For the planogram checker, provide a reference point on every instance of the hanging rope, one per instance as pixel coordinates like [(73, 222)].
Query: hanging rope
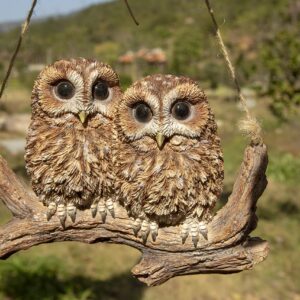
[(24, 29), (250, 125), (131, 13)]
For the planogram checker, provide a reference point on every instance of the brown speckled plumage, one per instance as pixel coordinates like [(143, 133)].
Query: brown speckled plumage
[(68, 160), (183, 179)]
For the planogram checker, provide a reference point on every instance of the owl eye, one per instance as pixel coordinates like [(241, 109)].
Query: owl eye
[(100, 90), (64, 90), (142, 112), (181, 110)]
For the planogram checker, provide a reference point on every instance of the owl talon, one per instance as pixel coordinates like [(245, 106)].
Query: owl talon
[(94, 209), (102, 211), (110, 207), (203, 230), (195, 233), (137, 226), (145, 229), (62, 215), (154, 230), (195, 240), (195, 229), (184, 232), (51, 210), (71, 210)]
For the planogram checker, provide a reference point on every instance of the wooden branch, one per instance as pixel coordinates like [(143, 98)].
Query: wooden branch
[(228, 248)]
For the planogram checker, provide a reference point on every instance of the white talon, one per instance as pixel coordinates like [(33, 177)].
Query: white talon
[(94, 209), (61, 213), (184, 232), (51, 210), (102, 211), (137, 226), (154, 230), (110, 207), (194, 228), (145, 231), (203, 229), (71, 209), (195, 234)]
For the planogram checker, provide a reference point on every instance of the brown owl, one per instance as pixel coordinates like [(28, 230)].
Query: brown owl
[(167, 156), (68, 151)]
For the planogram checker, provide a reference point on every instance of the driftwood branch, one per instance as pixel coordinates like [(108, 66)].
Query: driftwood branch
[(228, 248)]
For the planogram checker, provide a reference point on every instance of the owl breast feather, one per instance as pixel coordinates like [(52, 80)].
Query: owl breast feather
[(68, 163), (168, 186)]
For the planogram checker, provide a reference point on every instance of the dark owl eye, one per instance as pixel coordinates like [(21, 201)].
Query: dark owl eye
[(142, 113), (100, 90), (64, 90), (181, 110)]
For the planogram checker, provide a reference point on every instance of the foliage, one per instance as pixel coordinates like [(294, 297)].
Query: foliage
[(281, 57), (107, 51), (39, 279), (285, 168), (183, 30), (48, 278), (125, 81)]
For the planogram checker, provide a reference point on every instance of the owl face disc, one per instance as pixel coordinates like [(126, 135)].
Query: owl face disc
[(165, 109), (77, 87)]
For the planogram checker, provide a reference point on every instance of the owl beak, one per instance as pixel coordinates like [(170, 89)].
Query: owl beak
[(82, 116), (160, 138)]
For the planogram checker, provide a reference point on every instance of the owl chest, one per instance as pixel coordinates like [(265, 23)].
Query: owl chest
[(160, 176), (168, 186), (67, 158)]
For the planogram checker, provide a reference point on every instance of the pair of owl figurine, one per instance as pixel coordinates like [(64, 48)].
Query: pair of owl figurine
[(153, 150)]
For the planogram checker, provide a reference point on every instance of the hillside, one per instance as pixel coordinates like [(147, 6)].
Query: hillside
[(181, 28)]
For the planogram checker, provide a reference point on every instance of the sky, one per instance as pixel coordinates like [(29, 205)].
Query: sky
[(16, 10)]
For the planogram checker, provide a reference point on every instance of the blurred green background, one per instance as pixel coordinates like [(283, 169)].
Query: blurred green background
[(174, 37)]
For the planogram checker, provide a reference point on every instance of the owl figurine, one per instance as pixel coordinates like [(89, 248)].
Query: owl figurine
[(167, 157), (68, 151)]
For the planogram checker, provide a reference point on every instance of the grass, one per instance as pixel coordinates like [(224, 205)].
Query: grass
[(71, 270)]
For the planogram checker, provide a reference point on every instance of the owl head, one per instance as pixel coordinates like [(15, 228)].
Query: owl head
[(164, 110), (79, 88)]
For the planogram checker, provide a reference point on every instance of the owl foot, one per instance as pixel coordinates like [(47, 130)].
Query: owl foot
[(137, 226), (71, 210), (154, 230), (94, 209), (195, 228), (102, 211), (62, 214), (51, 210), (110, 207), (144, 227), (103, 207)]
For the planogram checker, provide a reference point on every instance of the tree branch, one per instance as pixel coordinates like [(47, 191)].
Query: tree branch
[(228, 248)]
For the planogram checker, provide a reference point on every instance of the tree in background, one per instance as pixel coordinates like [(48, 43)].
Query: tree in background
[(281, 58)]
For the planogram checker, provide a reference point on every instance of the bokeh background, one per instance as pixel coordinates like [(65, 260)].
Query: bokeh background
[(173, 37)]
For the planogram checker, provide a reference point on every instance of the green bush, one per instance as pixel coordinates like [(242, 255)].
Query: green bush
[(281, 58), (39, 278), (285, 168)]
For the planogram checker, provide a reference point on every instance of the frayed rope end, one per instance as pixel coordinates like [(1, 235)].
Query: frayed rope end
[(251, 128)]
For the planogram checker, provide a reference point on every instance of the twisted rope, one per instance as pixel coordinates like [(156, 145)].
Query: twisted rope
[(24, 29), (249, 126)]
